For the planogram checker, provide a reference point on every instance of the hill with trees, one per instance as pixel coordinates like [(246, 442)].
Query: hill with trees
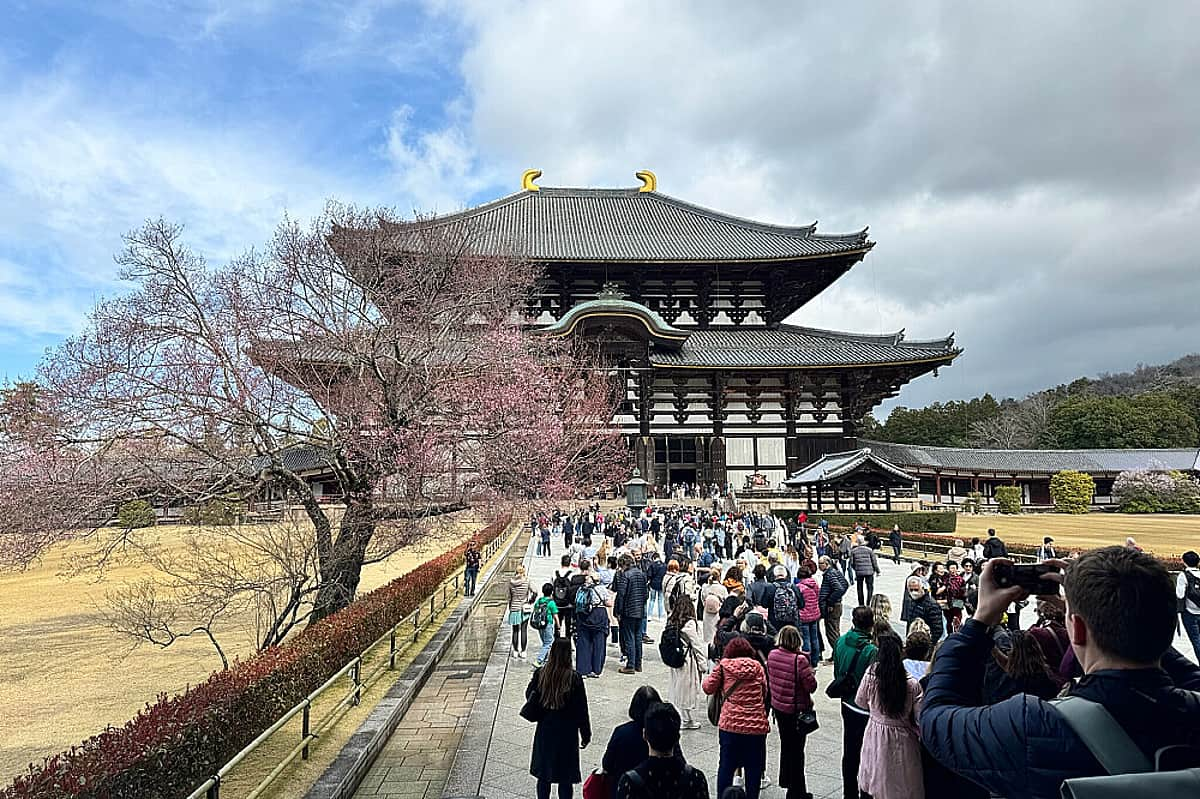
[(1151, 406)]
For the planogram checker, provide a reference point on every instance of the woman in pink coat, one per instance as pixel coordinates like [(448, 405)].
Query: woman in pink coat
[(891, 752), (792, 682), (810, 614), (740, 679)]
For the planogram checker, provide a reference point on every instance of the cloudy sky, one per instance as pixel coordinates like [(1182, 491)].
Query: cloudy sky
[(1031, 176)]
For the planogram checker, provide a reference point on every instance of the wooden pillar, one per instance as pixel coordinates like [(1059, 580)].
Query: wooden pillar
[(867, 497), (836, 505), (937, 488), (887, 498)]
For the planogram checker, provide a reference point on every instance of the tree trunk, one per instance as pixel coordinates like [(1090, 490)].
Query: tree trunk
[(340, 575)]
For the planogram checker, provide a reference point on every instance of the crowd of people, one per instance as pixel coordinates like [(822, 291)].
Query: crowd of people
[(959, 703)]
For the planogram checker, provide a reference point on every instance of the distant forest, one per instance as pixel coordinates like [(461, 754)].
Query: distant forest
[(1152, 406)]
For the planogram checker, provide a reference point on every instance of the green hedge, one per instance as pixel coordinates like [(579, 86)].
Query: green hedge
[(1008, 499), (914, 521)]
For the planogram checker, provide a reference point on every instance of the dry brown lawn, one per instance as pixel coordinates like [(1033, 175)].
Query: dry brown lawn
[(64, 676), (1161, 534)]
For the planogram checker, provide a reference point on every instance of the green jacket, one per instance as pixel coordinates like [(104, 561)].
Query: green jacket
[(843, 655)]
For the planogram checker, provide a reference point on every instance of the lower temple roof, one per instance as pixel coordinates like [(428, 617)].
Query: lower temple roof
[(792, 346)]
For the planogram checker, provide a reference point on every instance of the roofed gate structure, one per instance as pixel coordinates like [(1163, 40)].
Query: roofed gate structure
[(689, 304)]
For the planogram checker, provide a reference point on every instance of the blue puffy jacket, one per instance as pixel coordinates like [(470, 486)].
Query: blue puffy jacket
[(1022, 747)]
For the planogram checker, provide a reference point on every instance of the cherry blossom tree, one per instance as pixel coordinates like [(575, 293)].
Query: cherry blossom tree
[(387, 356)]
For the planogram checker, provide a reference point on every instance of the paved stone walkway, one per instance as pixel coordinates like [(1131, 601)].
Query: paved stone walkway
[(494, 760), (505, 773), (417, 758)]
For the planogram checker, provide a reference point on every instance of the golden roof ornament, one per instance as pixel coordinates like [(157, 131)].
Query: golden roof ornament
[(528, 178), (649, 181)]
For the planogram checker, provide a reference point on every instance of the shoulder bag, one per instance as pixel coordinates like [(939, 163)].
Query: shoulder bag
[(806, 720), (844, 687), (717, 700)]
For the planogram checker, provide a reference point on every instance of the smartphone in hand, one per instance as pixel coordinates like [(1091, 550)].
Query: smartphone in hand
[(1028, 576)]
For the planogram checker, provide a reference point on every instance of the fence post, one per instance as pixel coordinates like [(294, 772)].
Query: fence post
[(443, 596), (356, 672), (416, 623), (304, 730), (431, 610), (392, 649), (214, 790)]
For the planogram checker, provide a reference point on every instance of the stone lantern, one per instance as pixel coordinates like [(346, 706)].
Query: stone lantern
[(635, 491)]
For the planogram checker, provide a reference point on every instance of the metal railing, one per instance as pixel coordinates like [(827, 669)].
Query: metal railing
[(926, 548), (403, 634)]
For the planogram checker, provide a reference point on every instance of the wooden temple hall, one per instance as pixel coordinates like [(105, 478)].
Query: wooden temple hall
[(690, 305)]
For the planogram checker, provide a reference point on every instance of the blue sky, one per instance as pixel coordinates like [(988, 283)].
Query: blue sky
[(1032, 179)]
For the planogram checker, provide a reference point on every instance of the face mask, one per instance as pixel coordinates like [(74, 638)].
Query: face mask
[(915, 594)]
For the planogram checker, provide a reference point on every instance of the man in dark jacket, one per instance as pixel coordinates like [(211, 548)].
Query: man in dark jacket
[(834, 586), (1121, 623), (994, 547), (630, 607), (664, 774), (921, 605)]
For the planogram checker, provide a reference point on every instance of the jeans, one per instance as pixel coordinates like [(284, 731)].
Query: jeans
[(469, 576), (896, 549), (590, 650), (631, 641), (1191, 625), (521, 633), (565, 789), (547, 634), (869, 580), (748, 752), (847, 567), (655, 601), (854, 726), (812, 641)]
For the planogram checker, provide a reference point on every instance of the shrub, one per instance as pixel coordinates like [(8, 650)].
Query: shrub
[(917, 521), (175, 743), (1143, 491), (1008, 499), (1072, 492), (135, 513), (213, 513), (974, 502)]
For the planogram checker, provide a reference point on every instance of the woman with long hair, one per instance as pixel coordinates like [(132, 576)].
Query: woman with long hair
[(740, 680), (881, 606), (520, 601), (890, 767), (683, 689), (557, 701), (1022, 670), (792, 682)]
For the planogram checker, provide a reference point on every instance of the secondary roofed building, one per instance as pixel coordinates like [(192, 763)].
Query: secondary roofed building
[(946, 475), (689, 306)]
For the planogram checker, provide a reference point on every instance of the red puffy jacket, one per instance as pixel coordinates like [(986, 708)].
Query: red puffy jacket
[(812, 599)]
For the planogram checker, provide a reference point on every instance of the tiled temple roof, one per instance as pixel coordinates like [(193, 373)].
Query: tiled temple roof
[(582, 224), (791, 345), (1035, 461)]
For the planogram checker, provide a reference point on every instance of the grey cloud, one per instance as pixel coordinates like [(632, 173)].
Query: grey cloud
[(1032, 175)]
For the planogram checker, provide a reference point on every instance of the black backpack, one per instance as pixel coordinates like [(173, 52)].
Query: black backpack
[(1192, 592), (671, 647), (562, 590)]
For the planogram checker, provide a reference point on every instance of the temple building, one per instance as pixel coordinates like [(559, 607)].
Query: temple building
[(689, 306)]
